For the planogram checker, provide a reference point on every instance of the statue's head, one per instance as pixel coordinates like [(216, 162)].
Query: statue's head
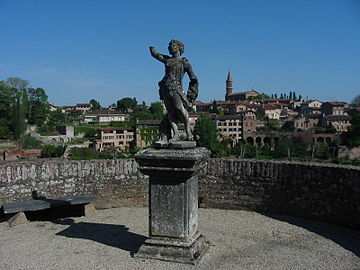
[(176, 46)]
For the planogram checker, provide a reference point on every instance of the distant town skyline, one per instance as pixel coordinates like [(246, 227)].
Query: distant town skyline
[(82, 50)]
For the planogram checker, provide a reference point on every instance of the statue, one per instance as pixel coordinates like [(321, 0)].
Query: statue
[(171, 92)]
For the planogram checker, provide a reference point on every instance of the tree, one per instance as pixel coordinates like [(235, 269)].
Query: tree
[(260, 96), (294, 96), (126, 105), (51, 151), (17, 83), (284, 148), (356, 101), (352, 136), (206, 135), (19, 103), (95, 105), (38, 106), (157, 110), (213, 107), (6, 104)]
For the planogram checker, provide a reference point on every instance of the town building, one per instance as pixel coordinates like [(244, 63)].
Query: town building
[(341, 123), (271, 111), (84, 107), (230, 96), (334, 108), (310, 107), (65, 109), (103, 117), (229, 126), (114, 137), (303, 122), (147, 132)]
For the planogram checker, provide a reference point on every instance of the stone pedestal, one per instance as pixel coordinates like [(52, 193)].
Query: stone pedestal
[(173, 204)]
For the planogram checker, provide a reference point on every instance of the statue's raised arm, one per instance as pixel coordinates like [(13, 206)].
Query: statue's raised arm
[(154, 53)]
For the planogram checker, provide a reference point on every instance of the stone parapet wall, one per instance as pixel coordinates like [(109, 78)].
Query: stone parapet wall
[(113, 182), (318, 191)]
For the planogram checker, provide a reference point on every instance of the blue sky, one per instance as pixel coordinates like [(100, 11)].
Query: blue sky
[(82, 49)]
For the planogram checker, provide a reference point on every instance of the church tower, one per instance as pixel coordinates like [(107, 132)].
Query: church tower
[(229, 86)]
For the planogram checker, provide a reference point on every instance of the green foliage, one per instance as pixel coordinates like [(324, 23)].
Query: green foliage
[(213, 107), (6, 111), (15, 88), (95, 105), (351, 138), (322, 151), (84, 129), (17, 103), (28, 142), (90, 132), (356, 101), (206, 136), (149, 134), (270, 125), (122, 123), (290, 147), (55, 118), (141, 115), (51, 151), (79, 153), (126, 104), (19, 112), (74, 116), (38, 106), (157, 110), (260, 96), (77, 141)]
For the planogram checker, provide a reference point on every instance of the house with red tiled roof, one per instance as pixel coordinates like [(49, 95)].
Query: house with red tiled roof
[(84, 107), (334, 108)]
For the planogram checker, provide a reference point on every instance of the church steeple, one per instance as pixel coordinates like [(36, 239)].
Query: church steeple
[(229, 85)]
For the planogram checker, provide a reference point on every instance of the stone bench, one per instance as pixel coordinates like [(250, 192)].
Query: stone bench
[(43, 204)]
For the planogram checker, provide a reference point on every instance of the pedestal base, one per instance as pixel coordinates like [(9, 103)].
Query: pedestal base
[(189, 253)]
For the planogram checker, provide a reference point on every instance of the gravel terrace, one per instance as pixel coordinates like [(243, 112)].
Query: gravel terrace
[(239, 240)]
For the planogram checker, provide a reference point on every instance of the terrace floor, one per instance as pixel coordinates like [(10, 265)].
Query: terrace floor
[(240, 240)]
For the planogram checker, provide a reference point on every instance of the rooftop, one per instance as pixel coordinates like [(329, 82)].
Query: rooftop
[(239, 240)]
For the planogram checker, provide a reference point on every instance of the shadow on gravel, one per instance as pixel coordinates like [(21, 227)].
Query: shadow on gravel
[(108, 234), (348, 239)]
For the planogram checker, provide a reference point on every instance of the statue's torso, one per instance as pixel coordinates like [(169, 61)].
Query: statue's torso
[(174, 73)]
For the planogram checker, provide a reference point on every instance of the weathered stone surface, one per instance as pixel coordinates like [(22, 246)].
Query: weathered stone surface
[(35, 205), (17, 219), (175, 145), (114, 182), (89, 210), (173, 203), (189, 253), (324, 192)]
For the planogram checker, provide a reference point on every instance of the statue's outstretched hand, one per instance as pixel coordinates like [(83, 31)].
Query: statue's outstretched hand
[(153, 50)]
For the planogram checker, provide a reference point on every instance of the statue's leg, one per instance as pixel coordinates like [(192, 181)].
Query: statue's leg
[(172, 119), (183, 115), (165, 131)]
